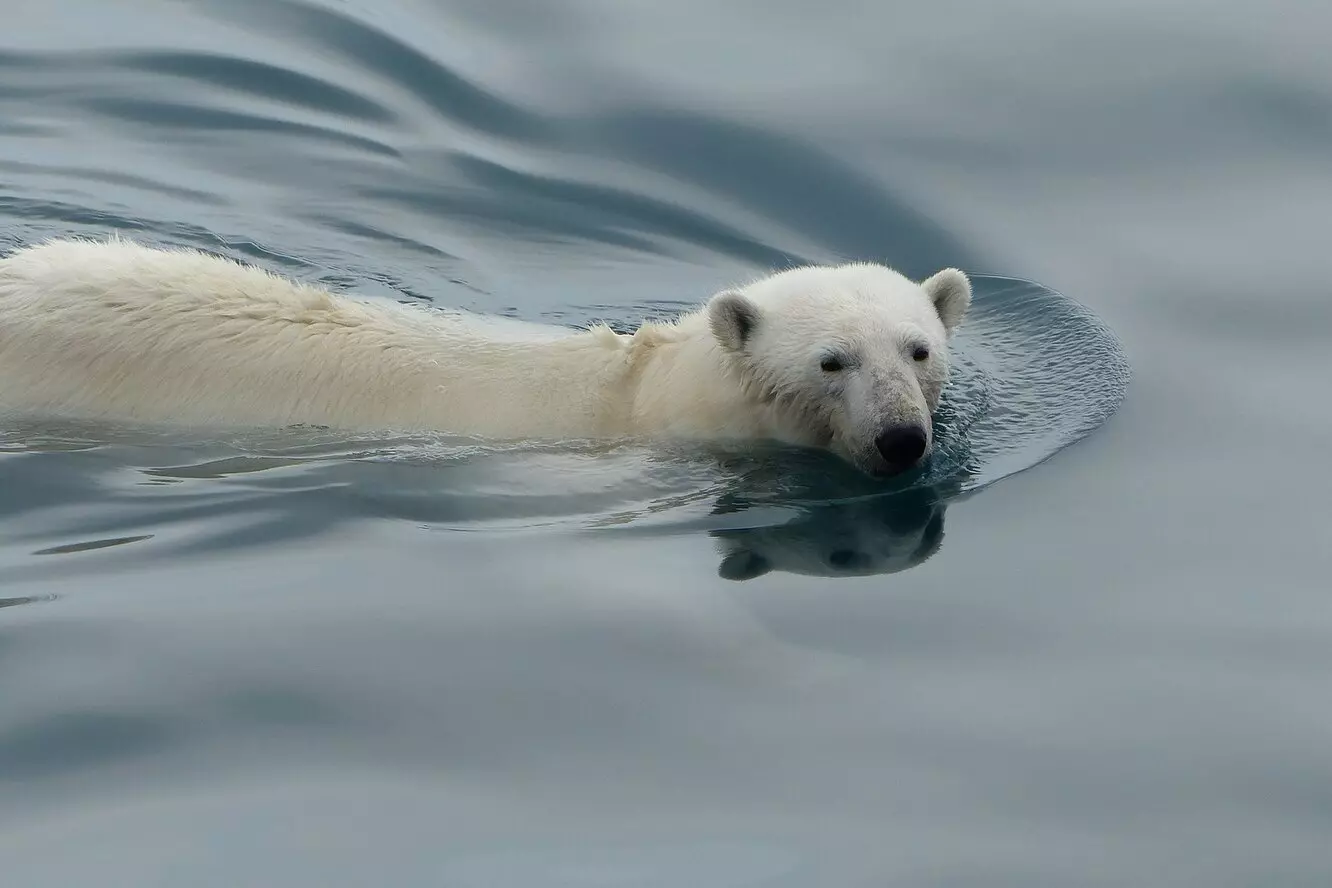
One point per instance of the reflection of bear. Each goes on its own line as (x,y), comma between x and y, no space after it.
(857,538)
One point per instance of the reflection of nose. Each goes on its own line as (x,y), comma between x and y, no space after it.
(901,446)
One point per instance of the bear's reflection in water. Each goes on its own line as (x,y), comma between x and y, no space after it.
(802,513)
(879,535)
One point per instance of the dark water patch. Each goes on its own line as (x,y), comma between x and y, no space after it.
(92,545)
(380,55)
(219,468)
(91,739)
(567,202)
(27,129)
(62,73)
(524,223)
(92,174)
(1298,113)
(25,599)
(374,234)
(846,213)
(260,80)
(163,114)
(72,216)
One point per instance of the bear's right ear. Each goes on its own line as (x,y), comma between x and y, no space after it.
(733,319)
(950,291)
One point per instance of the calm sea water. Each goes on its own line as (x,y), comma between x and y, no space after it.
(301,660)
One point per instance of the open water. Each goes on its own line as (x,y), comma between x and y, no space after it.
(1090,645)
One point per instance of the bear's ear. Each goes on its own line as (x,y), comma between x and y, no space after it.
(733,319)
(950,291)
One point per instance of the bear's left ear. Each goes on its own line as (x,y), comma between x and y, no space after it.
(950,291)
(732,318)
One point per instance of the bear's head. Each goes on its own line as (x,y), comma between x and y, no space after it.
(852,358)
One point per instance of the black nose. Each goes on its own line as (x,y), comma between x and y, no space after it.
(901,446)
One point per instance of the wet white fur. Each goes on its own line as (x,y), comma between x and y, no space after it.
(115,330)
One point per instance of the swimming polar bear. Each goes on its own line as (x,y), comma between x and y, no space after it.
(851,358)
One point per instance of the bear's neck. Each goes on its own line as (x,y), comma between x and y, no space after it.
(666,380)
(685,386)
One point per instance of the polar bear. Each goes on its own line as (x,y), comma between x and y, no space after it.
(849,358)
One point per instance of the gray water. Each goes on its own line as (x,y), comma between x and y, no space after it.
(1090,646)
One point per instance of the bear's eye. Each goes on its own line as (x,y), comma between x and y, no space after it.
(920,353)
(831,365)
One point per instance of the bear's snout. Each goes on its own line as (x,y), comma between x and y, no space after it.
(901,446)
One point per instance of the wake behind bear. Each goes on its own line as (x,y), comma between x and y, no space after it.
(850,358)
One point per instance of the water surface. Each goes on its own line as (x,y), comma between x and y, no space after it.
(299,659)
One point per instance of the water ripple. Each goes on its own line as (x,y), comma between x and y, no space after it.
(371,51)
(790,183)
(260,80)
(192,116)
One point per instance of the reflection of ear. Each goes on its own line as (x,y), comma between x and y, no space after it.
(732,318)
(743,564)
(950,291)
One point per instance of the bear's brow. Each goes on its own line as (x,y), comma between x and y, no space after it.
(843,353)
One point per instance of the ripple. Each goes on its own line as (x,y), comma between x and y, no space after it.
(261,80)
(564,209)
(1052,370)
(91,545)
(386,57)
(159,113)
(792,184)
(90,174)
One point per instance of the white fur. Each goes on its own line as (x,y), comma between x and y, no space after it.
(115,330)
